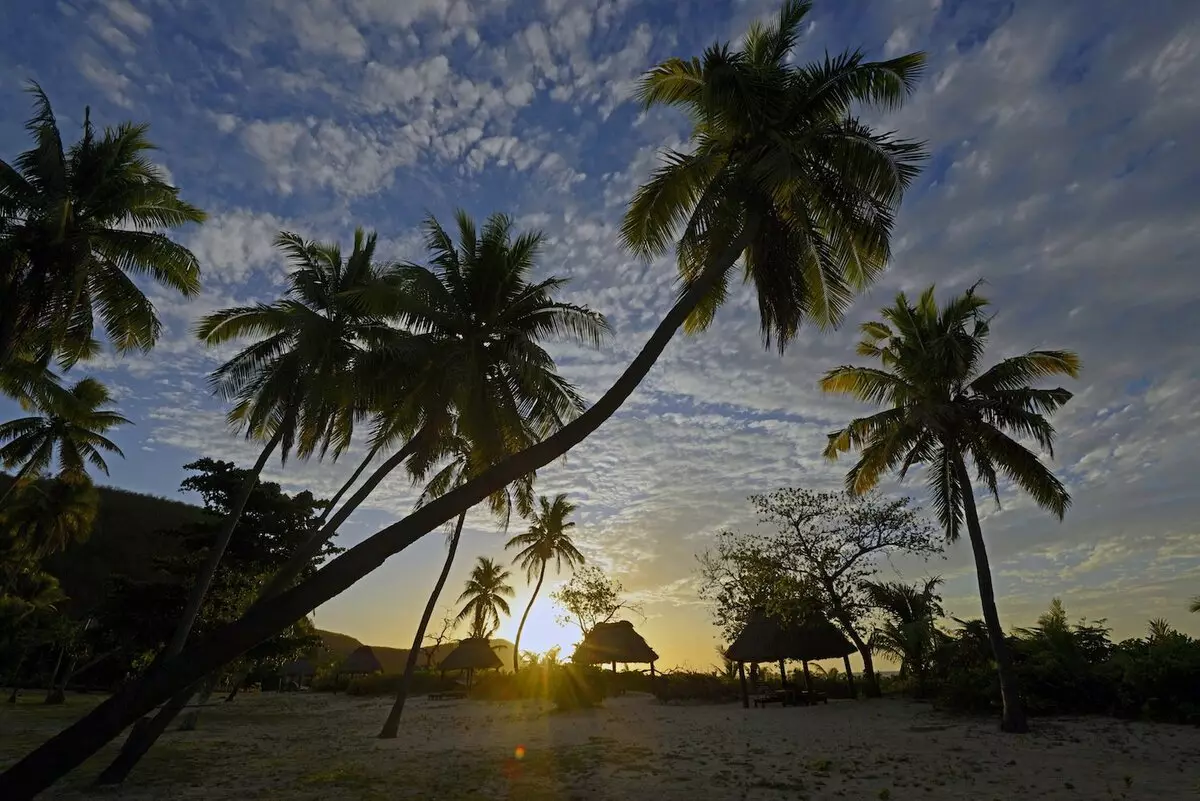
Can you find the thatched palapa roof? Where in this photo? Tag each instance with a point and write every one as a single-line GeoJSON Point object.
{"type": "Point", "coordinates": [765, 639]}
{"type": "Point", "coordinates": [472, 653]}
{"type": "Point", "coordinates": [613, 642]}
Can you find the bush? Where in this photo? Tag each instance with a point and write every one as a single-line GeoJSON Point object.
{"type": "Point", "coordinates": [690, 685]}
{"type": "Point", "coordinates": [576, 686]}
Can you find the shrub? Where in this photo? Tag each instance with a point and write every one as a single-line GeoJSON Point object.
{"type": "Point", "coordinates": [689, 685]}
{"type": "Point", "coordinates": [576, 686]}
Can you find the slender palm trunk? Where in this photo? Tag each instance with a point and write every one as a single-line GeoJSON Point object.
{"type": "Point", "coordinates": [524, 617]}
{"type": "Point", "coordinates": [391, 727]}
{"type": "Point", "coordinates": [16, 675]}
{"type": "Point", "coordinates": [70, 747]}
{"type": "Point", "coordinates": [145, 733]}
{"type": "Point", "coordinates": [16, 480]}
{"type": "Point", "coordinates": [1013, 716]}
{"type": "Point", "coordinates": [337, 496]}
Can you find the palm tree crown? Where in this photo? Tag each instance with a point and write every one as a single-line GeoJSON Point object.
{"type": "Point", "coordinates": [548, 538]}
{"type": "Point", "coordinates": [475, 355]}
{"type": "Point", "coordinates": [780, 172]}
{"type": "Point", "coordinates": [485, 594]}
{"type": "Point", "coordinates": [73, 424]}
{"type": "Point", "coordinates": [75, 224]}
{"type": "Point", "coordinates": [943, 407]}
{"type": "Point", "coordinates": [297, 380]}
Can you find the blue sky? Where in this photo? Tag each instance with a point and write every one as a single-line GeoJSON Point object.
{"type": "Point", "coordinates": [1063, 171]}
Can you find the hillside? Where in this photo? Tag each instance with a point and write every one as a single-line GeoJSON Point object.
{"type": "Point", "coordinates": [338, 646]}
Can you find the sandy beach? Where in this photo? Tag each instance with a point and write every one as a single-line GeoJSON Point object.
{"type": "Point", "coordinates": [316, 746]}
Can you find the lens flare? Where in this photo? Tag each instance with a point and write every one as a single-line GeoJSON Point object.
{"type": "Point", "coordinates": [519, 752]}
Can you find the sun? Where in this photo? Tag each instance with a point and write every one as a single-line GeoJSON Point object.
{"type": "Point", "coordinates": [542, 632]}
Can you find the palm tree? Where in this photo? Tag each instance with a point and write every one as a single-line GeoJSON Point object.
{"type": "Point", "coordinates": [456, 472]}
{"type": "Point", "coordinates": [72, 425]}
{"type": "Point", "coordinates": [293, 388]}
{"type": "Point", "coordinates": [485, 594]}
{"type": "Point", "coordinates": [781, 172]}
{"type": "Point", "coordinates": [943, 408]}
{"type": "Point", "coordinates": [1194, 606]}
{"type": "Point", "coordinates": [546, 539]}
{"type": "Point", "coordinates": [75, 225]}
{"type": "Point", "coordinates": [910, 633]}
{"type": "Point", "coordinates": [49, 517]}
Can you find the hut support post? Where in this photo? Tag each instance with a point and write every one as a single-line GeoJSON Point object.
{"type": "Point", "coordinates": [782, 673]}
{"type": "Point", "coordinates": [745, 690]}
{"type": "Point", "coordinates": [850, 677]}
{"type": "Point", "coordinates": [807, 678]}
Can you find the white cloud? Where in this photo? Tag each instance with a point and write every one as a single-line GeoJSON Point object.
{"type": "Point", "coordinates": [113, 83]}
{"type": "Point", "coordinates": [126, 14]}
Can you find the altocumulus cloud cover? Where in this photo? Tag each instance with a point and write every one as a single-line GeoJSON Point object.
{"type": "Point", "coordinates": [1063, 171]}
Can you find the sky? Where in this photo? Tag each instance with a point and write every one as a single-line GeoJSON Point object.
{"type": "Point", "coordinates": [1063, 172]}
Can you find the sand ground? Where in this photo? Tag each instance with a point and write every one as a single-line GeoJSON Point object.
{"type": "Point", "coordinates": [317, 746]}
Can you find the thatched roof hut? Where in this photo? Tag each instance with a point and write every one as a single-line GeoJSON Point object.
{"type": "Point", "coordinates": [362, 661]}
{"type": "Point", "coordinates": [612, 643]}
{"type": "Point", "coordinates": [765, 639]}
{"type": "Point", "coordinates": [473, 653]}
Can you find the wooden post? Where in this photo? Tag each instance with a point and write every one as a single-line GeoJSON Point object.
{"type": "Point", "coordinates": [782, 673]}
{"type": "Point", "coordinates": [614, 666]}
{"type": "Point", "coordinates": [807, 679]}
{"type": "Point", "coordinates": [850, 677]}
{"type": "Point", "coordinates": [745, 692]}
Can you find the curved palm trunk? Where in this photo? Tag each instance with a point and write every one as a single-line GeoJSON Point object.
{"type": "Point", "coordinates": [24, 471]}
{"type": "Point", "coordinates": [1013, 716]}
{"type": "Point", "coordinates": [391, 726]}
{"type": "Point", "coordinates": [148, 732]}
{"type": "Point", "coordinates": [145, 733]}
{"type": "Point", "coordinates": [521, 627]}
{"type": "Point", "coordinates": [337, 496]}
{"type": "Point", "coordinates": [70, 747]}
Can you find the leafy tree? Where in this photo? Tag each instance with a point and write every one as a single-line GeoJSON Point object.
{"type": "Point", "coordinates": [485, 594]}
{"type": "Point", "coordinates": [944, 408]}
{"type": "Point", "coordinates": [546, 539]}
{"type": "Point", "coordinates": [782, 172]}
{"type": "Point", "coordinates": [832, 540]}
{"type": "Point", "coordinates": [590, 598]}
{"type": "Point", "coordinates": [77, 224]}
{"type": "Point", "coordinates": [72, 425]}
{"type": "Point", "coordinates": [909, 632]}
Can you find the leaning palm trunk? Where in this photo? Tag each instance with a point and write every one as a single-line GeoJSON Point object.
{"type": "Point", "coordinates": [145, 733]}
{"type": "Point", "coordinates": [333, 502]}
{"type": "Point", "coordinates": [70, 747]}
{"type": "Point", "coordinates": [391, 727]}
{"type": "Point", "coordinates": [148, 733]}
{"type": "Point", "coordinates": [871, 688]}
{"type": "Point", "coordinates": [525, 616]}
{"type": "Point", "coordinates": [1013, 715]}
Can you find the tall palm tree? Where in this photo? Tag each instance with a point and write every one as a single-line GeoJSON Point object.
{"type": "Point", "coordinates": [943, 408]}
{"type": "Point", "coordinates": [546, 539]}
{"type": "Point", "coordinates": [909, 634]}
{"type": "Point", "coordinates": [781, 172]}
{"type": "Point", "coordinates": [486, 594]}
{"type": "Point", "coordinates": [454, 473]}
{"type": "Point", "coordinates": [1194, 606]}
{"type": "Point", "coordinates": [293, 388]}
{"type": "Point", "coordinates": [72, 426]}
{"type": "Point", "coordinates": [76, 224]}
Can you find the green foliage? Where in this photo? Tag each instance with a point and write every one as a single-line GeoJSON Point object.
{"type": "Point", "coordinates": [576, 686]}
{"type": "Point", "coordinates": [1074, 668]}
{"type": "Point", "coordinates": [77, 224]}
{"type": "Point", "coordinates": [691, 685]}
{"type": "Point", "coordinates": [486, 595]}
{"type": "Point", "coordinates": [909, 632]}
{"type": "Point", "coordinates": [809, 237]}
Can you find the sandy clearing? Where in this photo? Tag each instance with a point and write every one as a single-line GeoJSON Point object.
{"type": "Point", "coordinates": [316, 746]}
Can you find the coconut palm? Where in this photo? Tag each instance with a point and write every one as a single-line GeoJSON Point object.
{"type": "Point", "coordinates": [457, 471]}
{"type": "Point", "coordinates": [909, 633]}
{"type": "Point", "coordinates": [546, 539]}
{"type": "Point", "coordinates": [943, 408]}
{"type": "Point", "coordinates": [292, 388]}
{"type": "Point", "coordinates": [49, 516]}
{"type": "Point", "coordinates": [71, 427]}
{"type": "Point", "coordinates": [1194, 606]}
{"type": "Point", "coordinates": [486, 594]}
{"type": "Point", "coordinates": [781, 172]}
{"type": "Point", "coordinates": [77, 224]}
